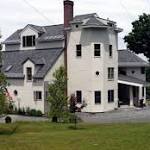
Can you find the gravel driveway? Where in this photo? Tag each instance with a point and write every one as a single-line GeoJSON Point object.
{"type": "Point", "coordinates": [120, 115]}
{"type": "Point", "coordinates": [116, 116]}
{"type": "Point", "coordinates": [23, 118]}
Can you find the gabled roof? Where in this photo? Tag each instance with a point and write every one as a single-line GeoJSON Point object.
{"type": "Point", "coordinates": [54, 32]}
{"type": "Point", "coordinates": [43, 60]}
{"type": "Point", "coordinates": [126, 58]}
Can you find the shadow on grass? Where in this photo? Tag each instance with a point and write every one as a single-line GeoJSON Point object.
{"type": "Point", "coordinates": [8, 129]}
{"type": "Point", "coordinates": [73, 127]}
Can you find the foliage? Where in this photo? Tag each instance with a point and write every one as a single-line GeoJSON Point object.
{"type": "Point", "coordinates": [138, 40]}
{"type": "Point", "coordinates": [57, 96]}
{"type": "Point", "coordinates": [3, 84]}
{"type": "Point", "coordinates": [73, 107]}
{"type": "Point", "coordinates": [8, 119]}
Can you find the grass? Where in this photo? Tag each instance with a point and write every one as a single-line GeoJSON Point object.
{"type": "Point", "coordinates": [48, 136]}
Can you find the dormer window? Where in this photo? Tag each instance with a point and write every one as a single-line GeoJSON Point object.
{"type": "Point", "coordinates": [28, 41]}
{"type": "Point", "coordinates": [29, 74]}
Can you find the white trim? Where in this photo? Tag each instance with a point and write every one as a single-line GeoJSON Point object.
{"type": "Point", "coordinates": [130, 83]}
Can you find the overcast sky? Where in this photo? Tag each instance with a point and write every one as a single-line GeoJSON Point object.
{"type": "Point", "coordinates": [16, 14]}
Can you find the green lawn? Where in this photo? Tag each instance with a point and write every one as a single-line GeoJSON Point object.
{"type": "Point", "coordinates": [48, 136]}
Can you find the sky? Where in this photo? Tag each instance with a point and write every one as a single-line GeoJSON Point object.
{"type": "Point", "coordinates": [16, 14]}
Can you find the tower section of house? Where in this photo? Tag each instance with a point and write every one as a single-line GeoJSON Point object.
{"type": "Point", "coordinates": [92, 62]}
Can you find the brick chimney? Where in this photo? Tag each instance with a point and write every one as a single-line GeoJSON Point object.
{"type": "Point", "coordinates": [68, 12]}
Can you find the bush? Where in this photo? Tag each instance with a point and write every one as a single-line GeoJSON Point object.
{"type": "Point", "coordinates": [8, 119]}
{"type": "Point", "coordinates": [28, 111]}
{"type": "Point", "coordinates": [33, 112]}
{"type": "Point", "coordinates": [38, 113]}
{"type": "Point", "coordinates": [21, 111]}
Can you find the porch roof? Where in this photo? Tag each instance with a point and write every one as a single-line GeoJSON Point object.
{"type": "Point", "coordinates": [128, 80]}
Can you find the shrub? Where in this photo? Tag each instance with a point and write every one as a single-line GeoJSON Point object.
{"type": "Point", "coordinates": [21, 111]}
{"type": "Point", "coordinates": [33, 112]}
{"type": "Point", "coordinates": [28, 110]}
{"type": "Point", "coordinates": [8, 119]}
{"type": "Point", "coordinates": [39, 113]}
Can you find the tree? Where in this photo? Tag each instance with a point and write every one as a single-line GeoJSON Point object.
{"type": "Point", "coordinates": [3, 90]}
{"type": "Point", "coordinates": [138, 40]}
{"type": "Point", "coordinates": [57, 97]}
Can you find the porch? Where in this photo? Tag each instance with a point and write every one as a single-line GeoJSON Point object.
{"type": "Point", "coordinates": [131, 91]}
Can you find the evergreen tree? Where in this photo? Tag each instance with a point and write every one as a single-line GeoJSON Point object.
{"type": "Point", "coordinates": [57, 97]}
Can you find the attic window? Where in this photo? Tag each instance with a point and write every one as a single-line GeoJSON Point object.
{"type": "Point", "coordinates": [29, 73]}
{"type": "Point", "coordinates": [28, 41]}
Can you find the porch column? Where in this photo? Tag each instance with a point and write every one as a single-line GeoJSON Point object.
{"type": "Point", "coordinates": [131, 95]}
{"type": "Point", "coordinates": [141, 92]}
{"type": "Point", "coordinates": [144, 95]}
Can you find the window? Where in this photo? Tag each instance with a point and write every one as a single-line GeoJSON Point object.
{"type": "Point", "coordinates": [79, 96]}
{"type": "Point", "coordinates": [110, 73]}
{"type": "Point", "coordinates": [110, 50]}
{"type": "Point", "coordinates": [143, 91]}
{"type": "Point", "coordinates": [29, 73]}
{"type": "Point", "coordinates": [28, 41]}
{"type": "Point", "coordinates": [142, 70]}
{"type": "Point", "coordinates": [122, 71]}
{"type": "Point", "coordinates": [97, 97]}
{"type": "Point", "coordinates": [97, 50]}
{"type": "Point", "coordinates": [110, 96]}
{"type": "Point", "coordinates": [37, 95]}
{"type": "Point", "coordinates": [78, 50]}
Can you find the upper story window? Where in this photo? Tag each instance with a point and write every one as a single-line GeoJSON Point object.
{"type": "Point", "coordinates": [28, 41]}
{"type": "Point", "coordinates": [110, 51]}
{"type": "Point", "coordinates": [110, 73]}
{"type": "Point", "coordinates": [97, 97]}
{"type": "Point", "coordinates": [142, 70]}
{"type": "Point", "coordinates": [97, 50]}
{"type": "Point", "coordinates": [79, 96]}
{"type": "Point", "coordinates": [79, 50]}
{"type": "Point", "coordinates": [29, 73]}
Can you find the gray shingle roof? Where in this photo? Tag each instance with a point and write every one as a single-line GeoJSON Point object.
{"type": "Point", "coordinates": [43, 60]}
{"type": "Point", "coordinates": [93, 19]}
{"type": "Point", "coordinates": [129, 59]}
{"type": "Point", "coordinates": [54, 32]}
{"type": "Point", "coordinates": [131, 79]}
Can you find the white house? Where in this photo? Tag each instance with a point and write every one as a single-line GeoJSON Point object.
{"type": "Point", "coordinates": [87, 46]}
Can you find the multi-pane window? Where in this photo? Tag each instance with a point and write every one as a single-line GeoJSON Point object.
{"type": "Point", "coordinates": [37, 95]}
{"type": "Point", "coordinates": [110, 50]}
{"type": "Point", "coordinates": [29, 73]}
{"type": "Point", "coordinates": [28, 41]}
{"type": "Point", "coordinates": [78, 50]}
{"type": "Point", "coordinates": [110, 96]}
{"type": "Point", "coordinates": [110, 73]}
{"type": "Point", "coordinates": [97, 97]}
{"type": "Point", "coordinates": [142, 70]}
{"type": "Point", "coordinates": [79, 96]}
{"type": "Point", "coordinates": [97, 50]}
